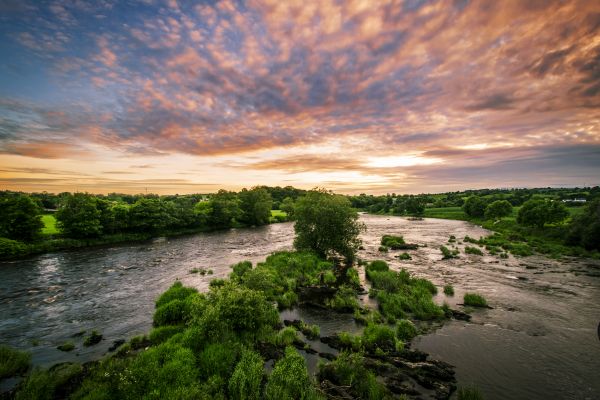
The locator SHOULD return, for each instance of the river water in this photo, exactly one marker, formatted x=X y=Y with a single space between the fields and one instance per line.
x=539 y=341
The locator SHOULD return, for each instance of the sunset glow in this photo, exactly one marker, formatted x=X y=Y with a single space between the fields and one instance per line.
x=356 y=96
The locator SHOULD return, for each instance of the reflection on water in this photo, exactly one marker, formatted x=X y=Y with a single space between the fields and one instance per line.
x=538 y=342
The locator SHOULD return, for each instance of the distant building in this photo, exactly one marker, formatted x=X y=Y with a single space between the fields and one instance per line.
x=574 y=200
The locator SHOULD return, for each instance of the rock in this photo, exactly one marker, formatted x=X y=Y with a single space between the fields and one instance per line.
x=459 y=315
x=116 y=344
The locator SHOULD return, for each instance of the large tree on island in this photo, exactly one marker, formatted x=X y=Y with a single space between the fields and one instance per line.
x=327 y=224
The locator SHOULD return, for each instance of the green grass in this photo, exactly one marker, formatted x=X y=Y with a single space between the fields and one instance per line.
x=278 y=212
x=278 y=216
x=13 y=361
x=474 y=300
x=49 y=225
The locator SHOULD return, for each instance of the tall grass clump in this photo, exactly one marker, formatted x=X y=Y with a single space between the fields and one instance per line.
x=13 y=361
x=474 y=300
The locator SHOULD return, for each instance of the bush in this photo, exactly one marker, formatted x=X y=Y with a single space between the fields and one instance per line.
x=406 y=330
x=473 y=250
x=377 y=266
x=475 y=207
x=163 y=333
x=13 y=361
x=241 y=268
x=49 y=384
x=289 y=379
x=475 y=300
x=348 y=370
x=377 y=336
x=383 y=249
x=498 y=209
x=404 y=256
x=12 y=248
x=286 y=336
x=245 y=382
x=176 y=292
x=448 y=290
x=92 y=339
x=174 y=312
x=20 y=217
x=447 y=253
x=329 y=277
x=396 y=243
x=344 y=300
x=67 y=346
x=538 y=213
x=217 y=359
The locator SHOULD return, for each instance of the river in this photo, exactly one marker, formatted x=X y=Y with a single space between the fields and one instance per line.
x=539 y=341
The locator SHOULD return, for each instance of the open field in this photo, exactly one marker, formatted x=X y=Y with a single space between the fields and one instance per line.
x=49 y=225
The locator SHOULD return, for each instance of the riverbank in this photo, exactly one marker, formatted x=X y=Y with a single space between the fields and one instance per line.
x=15 y=250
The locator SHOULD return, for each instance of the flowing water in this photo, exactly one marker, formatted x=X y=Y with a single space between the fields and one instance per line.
x=539 y=341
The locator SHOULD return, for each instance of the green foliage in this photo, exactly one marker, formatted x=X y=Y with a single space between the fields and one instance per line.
x=348 y=370
x=241 y=268
x=377 y=266
x=79 y=216
x=255 y=206
x=163 y=333
x=448 y=290
x=151 y=215
x=329 y=277
x=289 y=379
x=473 y=250
x=176 y=292
x=344 y=300
x=288 y=206
x=13 y=361
x=93 y=338
x=406 y=330
x=384 y=249
x=396 y=243
x=67 y=346
x=538 y=213
x=286 y=336
x=20 y=218
x=376 y=336
x=310 y=331
x=218 y=359
x=475 y=206
x=11 y=248
x=327 y=225
x=48 y=384
x=245 y=382
x=224 y=210
x=584 y=230
x=468 y=393
x=404 y=256
x=498 y=209
x=475 y=300
x=447 y=253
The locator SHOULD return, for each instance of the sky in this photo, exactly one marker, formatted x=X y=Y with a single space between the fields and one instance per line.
x=357 y=96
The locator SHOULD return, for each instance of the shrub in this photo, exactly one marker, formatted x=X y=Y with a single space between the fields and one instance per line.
x=343 y=300
x=348 y=370
x=379 y=336
x=537 y=213
x=48 y=384
x=13 y=361
x=176 y=292
x=286 y=336
x=92 y=339
x=406 y=330
x=396 y=243
x=241 y=268
x=174 y=312
x=217 y=359
x=329 y=277
x=473 y=250
x=163 y=333
x=67 y=346
x=448 y=290
x=11 y=248
x=349 y=341
x=245 y=382
x=498 y=209
x=447 y=253
x=404 y=256
x=384 y=249
x=289 y=379
x=377 y=266
x=475 y=300
x=310 y=331
x=475 y=207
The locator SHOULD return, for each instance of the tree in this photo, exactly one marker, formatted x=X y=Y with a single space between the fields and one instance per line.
x=79 y=216
x=20 y=218
x=327 y=225
x=538 y=212
x=255 y=205
x=151 y=215
x=498 y=209
x=474 y=207
x=225 y=209
x=287 y=205
x=585 y=228
x=415 y=205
